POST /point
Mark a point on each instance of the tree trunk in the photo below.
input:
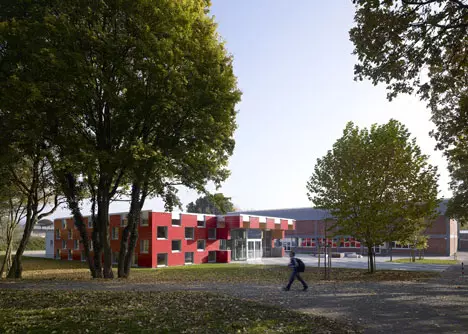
(6, 265)
(69, 189)
(16, 269)
(391, 254)
(130, 233)
(371, 259)
(103, 222)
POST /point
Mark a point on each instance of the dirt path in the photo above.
(437, 306)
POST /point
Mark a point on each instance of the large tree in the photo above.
(137, 94)
(421, 46)
(376, 184)
(215, 204)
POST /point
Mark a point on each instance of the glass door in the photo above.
(258, 249)
(251, 250)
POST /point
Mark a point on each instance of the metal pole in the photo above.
(463, 270)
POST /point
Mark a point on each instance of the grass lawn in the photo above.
(426, 261)
(149, 312)
(45, 269)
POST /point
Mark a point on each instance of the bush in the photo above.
(36, 243)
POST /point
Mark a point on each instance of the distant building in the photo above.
(171, 239)
(311, 225)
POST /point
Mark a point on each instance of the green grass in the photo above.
(426, 261)
(49, 269)
(150, 312)
(36, 243)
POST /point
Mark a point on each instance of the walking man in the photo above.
(297, 266)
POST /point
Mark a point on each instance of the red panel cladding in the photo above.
(223, 233)
(233, 221)
(188, 220)
(212, 245)
(223, 256)
(254, 222)
(76, 255)
(270, 223)
(211, 221)
(161, 218)
(284, 224)
(200, 257)
(201, 233)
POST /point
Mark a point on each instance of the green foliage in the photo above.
(376, 184)
(36, 243)
(211, 204)
(422, 47)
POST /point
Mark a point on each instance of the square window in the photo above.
(162, 232)
(212, 256)
(200, 223)
(70, 254)
(144, 222)
(57, 234)
(70, 234)
(115, 233)
(64, 244)
(201, 245)
(144, 246)
(189, 233)
(223, 244)
(162, 259)
(176, 246)
(76, 244)
(188, 257)
(123, 221)
(211, 233)
(176, 222)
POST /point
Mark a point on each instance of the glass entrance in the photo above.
(254, 249)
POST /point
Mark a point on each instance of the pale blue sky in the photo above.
(295, 68)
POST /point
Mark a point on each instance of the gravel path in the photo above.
(436, 306)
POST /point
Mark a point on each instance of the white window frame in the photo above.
(64, 223)
(142, 243)
(180, 246)
(165, 232)
(64, 244)
(157, 260)
(204, 245)
(202, 225)
(176, 220)
(76, 244)
(185, 258)
(215, 234)
(211, 261)
(221, 241)
(193, 233)
(115, 237)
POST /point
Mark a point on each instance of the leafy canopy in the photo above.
(376, 183)
(211, 204)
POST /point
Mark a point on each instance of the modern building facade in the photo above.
(171, 239)
(312, 225)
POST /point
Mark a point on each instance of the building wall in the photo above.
(443, 239)
(147, 234)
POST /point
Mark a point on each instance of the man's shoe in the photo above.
(305, 288)
(285, 289)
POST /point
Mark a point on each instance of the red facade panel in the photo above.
(254, 222)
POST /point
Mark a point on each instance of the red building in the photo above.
(171, 239)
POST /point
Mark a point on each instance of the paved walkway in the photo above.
(361, 263)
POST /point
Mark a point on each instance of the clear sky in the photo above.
(294, 64)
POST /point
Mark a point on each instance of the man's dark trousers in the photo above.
(295, 274)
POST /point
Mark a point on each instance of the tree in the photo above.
(216, 204)
(376, 184)
(137, 95)
(416, 46)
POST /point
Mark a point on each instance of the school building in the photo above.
(172, 239)
(312, 224)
